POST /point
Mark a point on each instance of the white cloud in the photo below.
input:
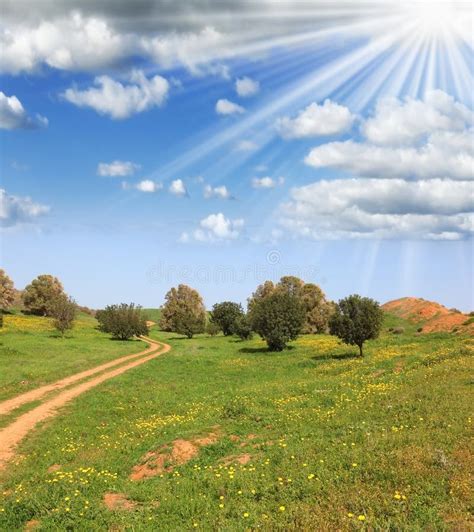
(147, 185)
(14, 116)
(215, 228)
(17, 210)
(246, 146)
(246, 87)
(118, 100)
(419, 139)
(267, 182)
(178, 188)
(220, 192)
(397, 122)
(315, 121)
(226, 107)
(117, 168)
(381, 208)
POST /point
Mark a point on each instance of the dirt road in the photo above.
(12, 434)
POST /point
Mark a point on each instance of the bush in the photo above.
(224, 315)
(40, 294)
(420, 329)
(63, 310)
(356, 319)
(183, 311)
(278, 319)
(398, 330)
(212, 329)
(242, 328)
(122, 321)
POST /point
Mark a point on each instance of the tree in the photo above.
(63, 310)
(317, 308)
(7, 292)
(212, 329)
(356, 319)
(184, 311)
(225, 314)
(242, 328)
(278, 319)
(122, 321)
(40, 294)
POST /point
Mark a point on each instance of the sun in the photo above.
(439, 18)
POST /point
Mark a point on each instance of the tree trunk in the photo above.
(360, 350)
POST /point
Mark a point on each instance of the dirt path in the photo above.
(11, 435)
(33, 395)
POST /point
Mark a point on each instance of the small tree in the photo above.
(7, 292)
(122, 321)
(356, 319)
(212, 329)
(225, 314)
(38, 296)
(278, 319)
(242, 328)
(63, 310)
(184, 311)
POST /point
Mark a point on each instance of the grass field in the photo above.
(32, 353)
(313, 438)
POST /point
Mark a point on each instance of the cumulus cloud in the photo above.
(316, 121)
(246, 87)
(438, 209)
(215, 228)
(404, 122)
(419, 139)
(226, 107)
(17, 210)
(267, 182)
(178, 188)
(121, 100)
(147, 185)
(14, 116)
(220, 192)
(117, 168)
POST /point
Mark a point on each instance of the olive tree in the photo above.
(39, 295)
(278, 319)
(183, 311)
(356, 319)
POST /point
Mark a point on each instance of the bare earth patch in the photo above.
(32, 524)
(242, 459)
(118, 501)
(167, 457)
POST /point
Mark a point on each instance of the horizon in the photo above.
(145, 146)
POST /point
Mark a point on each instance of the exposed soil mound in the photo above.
(118, 501)
(167, 457)
(431, 316)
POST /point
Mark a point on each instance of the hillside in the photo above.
(431, 316)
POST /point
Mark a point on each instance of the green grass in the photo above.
(332, 437)
(32, 353)
(152, 314)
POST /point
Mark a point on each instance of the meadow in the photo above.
(220, 434)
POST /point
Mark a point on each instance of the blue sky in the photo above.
(220, 144)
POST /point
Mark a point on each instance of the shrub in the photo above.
(224, 315)
(212, 329)
(242, 328)
(420, 329)
(278, 319)
(63, 310)
(39, 295)
(356, 319)
(7, 292)
(122, 321)
(183, 311)
(398, 330)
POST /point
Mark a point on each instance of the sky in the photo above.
(222, 143)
